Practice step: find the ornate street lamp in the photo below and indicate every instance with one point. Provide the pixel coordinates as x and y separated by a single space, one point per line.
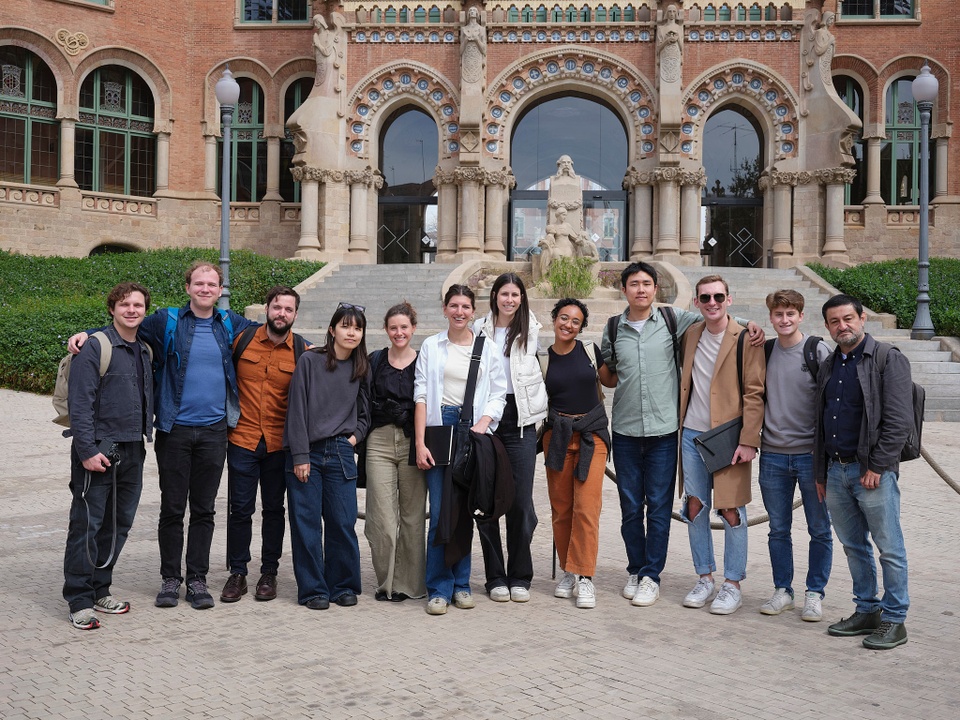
228 92
925 88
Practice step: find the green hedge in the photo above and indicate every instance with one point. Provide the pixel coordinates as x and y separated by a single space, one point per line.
44 300
891 287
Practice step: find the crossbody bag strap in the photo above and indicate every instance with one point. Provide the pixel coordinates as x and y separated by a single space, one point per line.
466 410
740 362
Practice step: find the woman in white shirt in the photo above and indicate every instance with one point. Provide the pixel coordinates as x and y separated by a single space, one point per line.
514 329
439 389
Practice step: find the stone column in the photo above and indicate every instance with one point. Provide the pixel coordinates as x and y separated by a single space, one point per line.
943 165
309 246
668 232
373 215
163 162
68 138
446 214
469 179
691 183
273 168
834 180
782 183
766 189
210 164
640 186
360 182
498 185
873 196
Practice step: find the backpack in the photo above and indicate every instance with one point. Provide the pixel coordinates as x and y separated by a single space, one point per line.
299 344
811 359
669 316
61 390
911 449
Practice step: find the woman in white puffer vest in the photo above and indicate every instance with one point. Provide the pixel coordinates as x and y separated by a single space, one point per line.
514 330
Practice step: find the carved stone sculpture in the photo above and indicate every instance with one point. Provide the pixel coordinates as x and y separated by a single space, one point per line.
473 58
670 60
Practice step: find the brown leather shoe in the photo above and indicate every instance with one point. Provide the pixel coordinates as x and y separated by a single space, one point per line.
266 587
235 588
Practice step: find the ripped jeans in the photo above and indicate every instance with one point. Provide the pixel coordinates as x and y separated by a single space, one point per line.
697 482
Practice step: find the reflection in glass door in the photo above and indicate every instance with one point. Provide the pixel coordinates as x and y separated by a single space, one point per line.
406 231
605 222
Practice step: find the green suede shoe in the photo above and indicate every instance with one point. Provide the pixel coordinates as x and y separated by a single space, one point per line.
857 624
887 636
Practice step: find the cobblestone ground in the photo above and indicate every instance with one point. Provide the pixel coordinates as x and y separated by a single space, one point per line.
383 660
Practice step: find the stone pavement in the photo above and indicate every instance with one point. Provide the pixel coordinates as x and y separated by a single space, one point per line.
544 659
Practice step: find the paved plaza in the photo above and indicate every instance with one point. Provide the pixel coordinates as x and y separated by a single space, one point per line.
543 659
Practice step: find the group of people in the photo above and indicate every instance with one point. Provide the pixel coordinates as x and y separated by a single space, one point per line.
291 419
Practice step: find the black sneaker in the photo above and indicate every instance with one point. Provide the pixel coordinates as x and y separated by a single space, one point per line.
169 594
857 624
887 636
198 596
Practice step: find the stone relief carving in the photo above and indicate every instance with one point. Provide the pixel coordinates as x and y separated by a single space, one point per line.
72 43
302 173
473 61
634 177
329 44
670 46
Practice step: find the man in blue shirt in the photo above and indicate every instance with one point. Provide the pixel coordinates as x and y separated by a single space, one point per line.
864 413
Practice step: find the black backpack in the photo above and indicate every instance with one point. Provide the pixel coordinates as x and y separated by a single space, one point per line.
299 344
911 449
811 360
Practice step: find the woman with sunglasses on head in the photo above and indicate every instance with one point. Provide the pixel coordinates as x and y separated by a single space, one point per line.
327 415
439 390
396 490
514 329
576 444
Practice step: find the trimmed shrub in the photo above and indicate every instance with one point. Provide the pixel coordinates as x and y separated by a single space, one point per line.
571 277
45 300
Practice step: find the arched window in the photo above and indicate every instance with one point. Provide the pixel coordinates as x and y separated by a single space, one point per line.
770 13
852 94
724 13
404 15
434 14
249 148
585 13
629 14
756 13
557 15
29 131
390 16
710 13
900 151
615 14
116 150
601 14
527 14
419 15
541 14
294 97
513 15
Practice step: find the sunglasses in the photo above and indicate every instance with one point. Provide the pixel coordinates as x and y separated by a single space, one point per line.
348 306
717 298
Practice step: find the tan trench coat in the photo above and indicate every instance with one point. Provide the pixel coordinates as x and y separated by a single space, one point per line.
731 485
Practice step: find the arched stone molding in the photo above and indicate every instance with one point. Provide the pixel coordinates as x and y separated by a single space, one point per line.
56 60
241 68
867 76
593 72
755 87
287 74
145 68
390 86
910 65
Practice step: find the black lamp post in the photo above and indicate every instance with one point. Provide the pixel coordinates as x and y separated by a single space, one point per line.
925 88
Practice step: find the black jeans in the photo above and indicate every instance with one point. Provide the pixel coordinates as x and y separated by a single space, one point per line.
92 521
521 517
246 470
190 461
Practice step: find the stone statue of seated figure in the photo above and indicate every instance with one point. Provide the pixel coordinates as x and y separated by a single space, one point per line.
561 240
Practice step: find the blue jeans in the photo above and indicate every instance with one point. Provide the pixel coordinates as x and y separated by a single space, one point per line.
323 518
92 521
697 482
443 581
521 518
859 514
190 460
646 476
245 471
780 474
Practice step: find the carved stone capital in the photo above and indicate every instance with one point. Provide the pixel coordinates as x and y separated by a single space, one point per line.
694 177
634 177
764 183
302 173
779 177
444 177
465 174
504 178
834 176
667 174
367 177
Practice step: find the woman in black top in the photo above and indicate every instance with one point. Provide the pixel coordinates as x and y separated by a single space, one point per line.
396 491
575 445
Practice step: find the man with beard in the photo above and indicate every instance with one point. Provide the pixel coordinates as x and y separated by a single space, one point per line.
265 358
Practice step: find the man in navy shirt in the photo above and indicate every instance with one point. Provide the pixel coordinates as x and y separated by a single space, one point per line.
864 413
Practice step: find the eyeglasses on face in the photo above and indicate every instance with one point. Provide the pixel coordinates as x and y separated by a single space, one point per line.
349 306
717 297
575 322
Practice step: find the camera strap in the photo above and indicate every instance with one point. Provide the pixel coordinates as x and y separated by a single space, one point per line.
113 542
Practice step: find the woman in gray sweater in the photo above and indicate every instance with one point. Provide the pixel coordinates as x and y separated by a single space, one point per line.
327 415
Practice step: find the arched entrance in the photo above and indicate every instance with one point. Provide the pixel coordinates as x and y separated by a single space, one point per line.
732 205
407 209
594 137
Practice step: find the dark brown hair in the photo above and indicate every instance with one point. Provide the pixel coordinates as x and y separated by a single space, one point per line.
279 290
121 291
785 299
402 308
520 325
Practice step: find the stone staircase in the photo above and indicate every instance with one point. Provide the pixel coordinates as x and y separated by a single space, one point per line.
377 287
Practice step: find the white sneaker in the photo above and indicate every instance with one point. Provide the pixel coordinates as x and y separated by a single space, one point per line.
519 594
630 589
437 606
812 607
586 594
565 586
463 600
501 593
701 592
647 593
780 601
727 601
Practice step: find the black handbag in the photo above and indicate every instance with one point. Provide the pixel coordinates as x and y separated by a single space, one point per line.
463 460
717 446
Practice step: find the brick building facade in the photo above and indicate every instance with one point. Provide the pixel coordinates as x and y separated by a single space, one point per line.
396 131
